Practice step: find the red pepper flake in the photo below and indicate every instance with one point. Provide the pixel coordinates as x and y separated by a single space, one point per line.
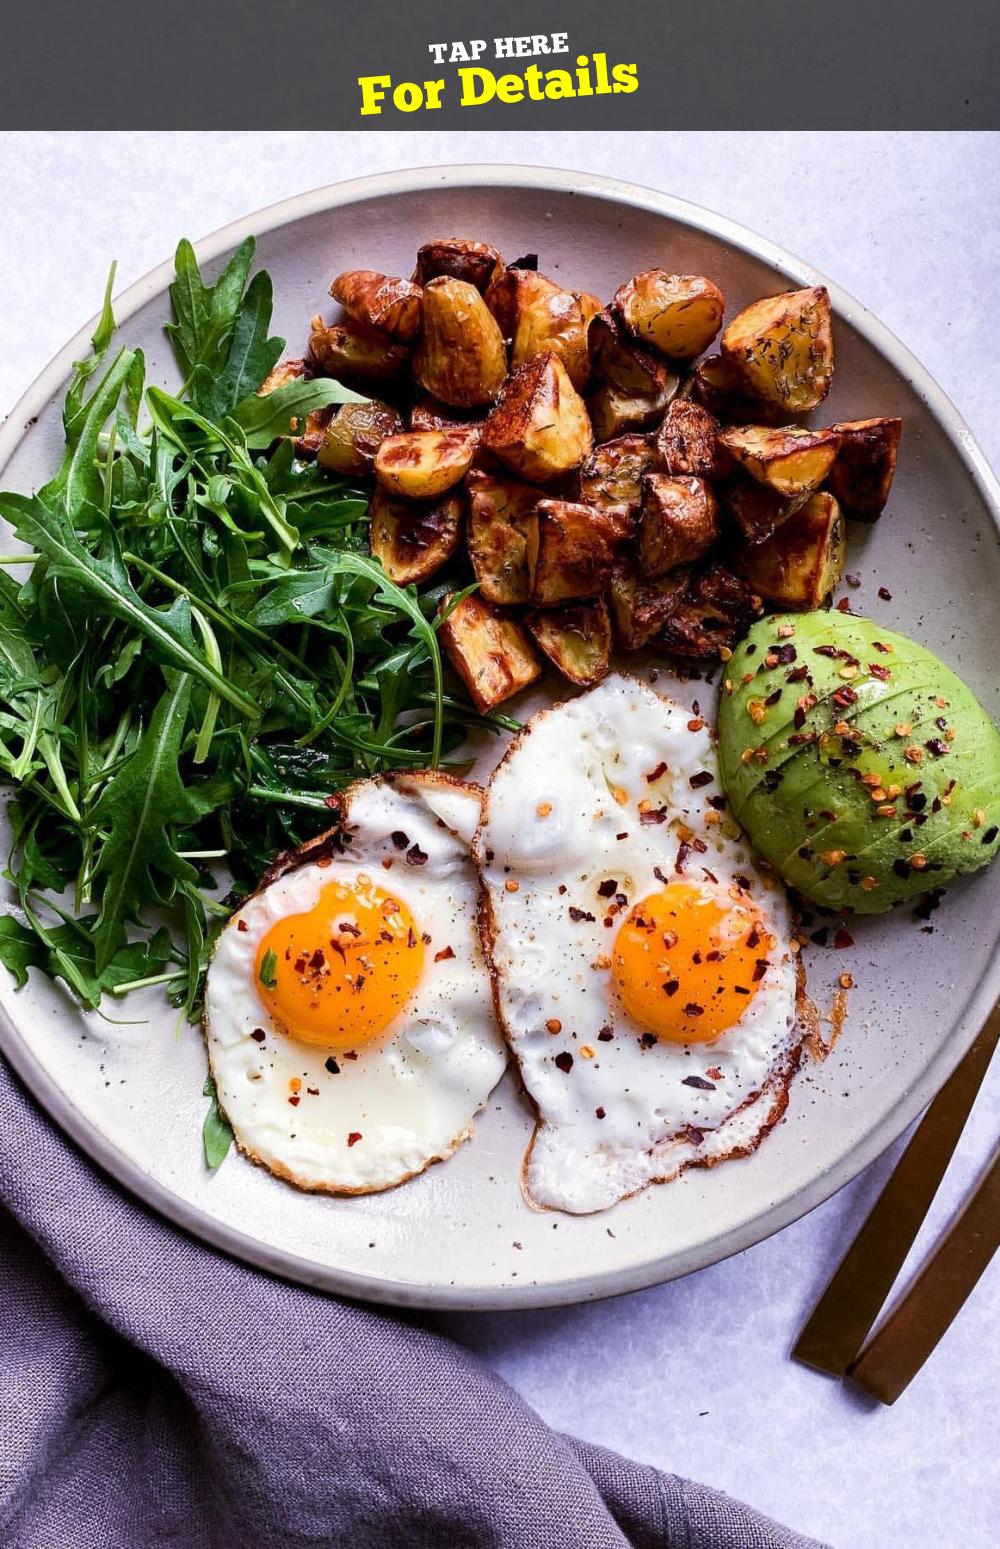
654 774
294 1100
655 815
761 966
853 580
843 606
415 856
242 925
797 675
714 1073
258 1035
605 1035
349 1054
576 915
599 1113
885 594
692 1009
608 888
883 673
331 1065
621 836
703 777
843 938
699 1083
444 954
399 839
845 696
936 746
354 1137
648 1040
833 651
564 1061
313 1091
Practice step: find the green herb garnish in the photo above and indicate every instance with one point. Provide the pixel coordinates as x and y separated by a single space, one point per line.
216 1135
268 973
195 653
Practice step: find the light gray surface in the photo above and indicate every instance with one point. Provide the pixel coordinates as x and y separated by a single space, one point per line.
905 224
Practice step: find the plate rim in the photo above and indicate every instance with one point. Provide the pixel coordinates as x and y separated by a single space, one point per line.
779 1214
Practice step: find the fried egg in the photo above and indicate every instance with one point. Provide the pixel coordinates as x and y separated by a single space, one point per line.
348 1006
643 965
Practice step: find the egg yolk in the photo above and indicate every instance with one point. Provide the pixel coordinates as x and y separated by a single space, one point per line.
687 961
338 974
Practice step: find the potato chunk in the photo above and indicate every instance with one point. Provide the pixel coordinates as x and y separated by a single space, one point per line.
310 439
491 653
687 441
457 258
614 413
461 357
426 413
717 608
678 314
546 317
758 509
791 461
497 540
862 475
801 564
576 639
612 474
353 353
782 348
280 375
641 609
420 464
413 540
572 550
720 389
679 522
391 305
617 359
540 428
354 435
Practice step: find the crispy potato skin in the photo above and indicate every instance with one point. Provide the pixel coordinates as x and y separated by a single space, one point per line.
461 358
678 314
354 435
782 348
426 413
572 550
491 653
284 372
719 388
354 354
687 441
717 608
457 258
614 413
861 478
791 461
543 316
414 540
391 305
497 541
612 475
642 609
421 464
576 639
679 522
758 510
802 562
616 358
539 429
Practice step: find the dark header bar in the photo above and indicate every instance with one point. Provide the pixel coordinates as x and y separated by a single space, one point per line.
514 64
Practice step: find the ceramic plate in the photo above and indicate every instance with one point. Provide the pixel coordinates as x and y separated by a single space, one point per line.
461 1234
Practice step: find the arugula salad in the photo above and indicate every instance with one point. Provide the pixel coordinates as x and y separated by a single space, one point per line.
196 650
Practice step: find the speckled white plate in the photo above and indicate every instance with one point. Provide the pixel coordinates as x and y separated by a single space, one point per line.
461 1235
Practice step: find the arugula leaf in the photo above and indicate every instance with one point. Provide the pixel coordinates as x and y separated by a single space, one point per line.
251 353
20 949
136 808
204 315
216 1135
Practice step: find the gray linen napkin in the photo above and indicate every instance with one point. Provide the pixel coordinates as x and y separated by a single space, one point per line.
154 1392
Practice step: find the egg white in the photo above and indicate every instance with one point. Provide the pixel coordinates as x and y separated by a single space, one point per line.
562 815
409 1096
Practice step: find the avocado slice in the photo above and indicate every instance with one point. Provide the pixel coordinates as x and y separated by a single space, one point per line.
859 765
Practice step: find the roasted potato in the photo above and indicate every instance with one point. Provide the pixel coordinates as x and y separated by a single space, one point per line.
456 258
546 317
391 305
758 510
571 550
313 432
461 357
413 540
490 652
352 353
717 608
540 428
720 389
576 639
687 441
861 477
614 413
421 464
280 375
354 435
427 414
791 461
678 314
612 475
802 562
590 304
618 360
497 541
679 522
641 609
782 348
